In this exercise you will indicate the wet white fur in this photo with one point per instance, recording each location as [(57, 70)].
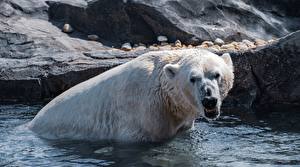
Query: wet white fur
[(135, 101)]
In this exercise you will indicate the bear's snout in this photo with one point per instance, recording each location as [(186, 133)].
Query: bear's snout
[(210, 102)]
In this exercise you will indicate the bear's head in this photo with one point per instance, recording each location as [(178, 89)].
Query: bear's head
[(199, 82)]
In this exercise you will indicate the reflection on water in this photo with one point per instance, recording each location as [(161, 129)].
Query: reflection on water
[(242, 139)]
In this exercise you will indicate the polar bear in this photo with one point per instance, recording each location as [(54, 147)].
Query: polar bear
[(150, 98)]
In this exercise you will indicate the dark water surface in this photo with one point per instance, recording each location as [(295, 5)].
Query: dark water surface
[(234, 140)]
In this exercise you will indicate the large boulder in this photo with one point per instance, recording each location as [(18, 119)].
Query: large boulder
[(38, 61), (120, 21), (268, 77)]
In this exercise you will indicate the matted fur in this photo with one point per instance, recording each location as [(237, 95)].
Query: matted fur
[(135, 101)]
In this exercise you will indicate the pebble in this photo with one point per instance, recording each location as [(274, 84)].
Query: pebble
[(230, 46), (178, 43), (219, 42), (140, 48), (207, 43), (126, 46), (67, 28), (164, 43), (216, 47), (93, 37), (242, 46), (248, 43), (141, 44), (165, 47), (162, 39), (153, 47), (259, 42)]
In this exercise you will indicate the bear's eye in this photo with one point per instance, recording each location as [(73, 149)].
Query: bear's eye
[(217, 76), (193, 80)]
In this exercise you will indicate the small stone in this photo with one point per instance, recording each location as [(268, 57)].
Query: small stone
[(207, 43), (141, 44), (153, 47), (93, 37), (230, 46), (135, 45), (242, 46), (219, 42), (162, 39), (260, 42), (165, 47), (126, 46), (140, 48), (248, 43), (216, 47), (164, 43), (190, 46), (178, 43), (271, 40), (67, 28), (213, 49)]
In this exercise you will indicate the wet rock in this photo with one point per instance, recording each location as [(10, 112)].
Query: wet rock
[(93, 37), (219, 42), (67, 28), (268, 77), (126, 47)]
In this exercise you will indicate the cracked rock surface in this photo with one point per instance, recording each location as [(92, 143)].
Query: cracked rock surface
[(38, 61)]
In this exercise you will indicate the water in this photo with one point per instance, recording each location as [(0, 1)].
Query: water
[(243, 139)]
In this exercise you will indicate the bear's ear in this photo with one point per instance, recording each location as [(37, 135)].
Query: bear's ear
[(226, 57), (170, 70)]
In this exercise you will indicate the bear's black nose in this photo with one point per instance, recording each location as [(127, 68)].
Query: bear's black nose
[(209, 102)]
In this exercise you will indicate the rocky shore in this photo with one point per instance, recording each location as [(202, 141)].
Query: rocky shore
[(47, 47)]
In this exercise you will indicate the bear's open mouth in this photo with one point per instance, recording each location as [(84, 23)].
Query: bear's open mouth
[(211, 113)]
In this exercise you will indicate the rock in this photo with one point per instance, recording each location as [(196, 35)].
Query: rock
[(67, 28), (249, 43), (93, 37), (219, 42), (126, 47), (207, 43), (230, 46), (217, 47), (165, 47), (194, 41), (38, 61), (162, 39), (142, 20), (153, 48), (140, 48), (164, 43), (260, 42), (178, 43), (268, 77), (141, 44), (242, 46)]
